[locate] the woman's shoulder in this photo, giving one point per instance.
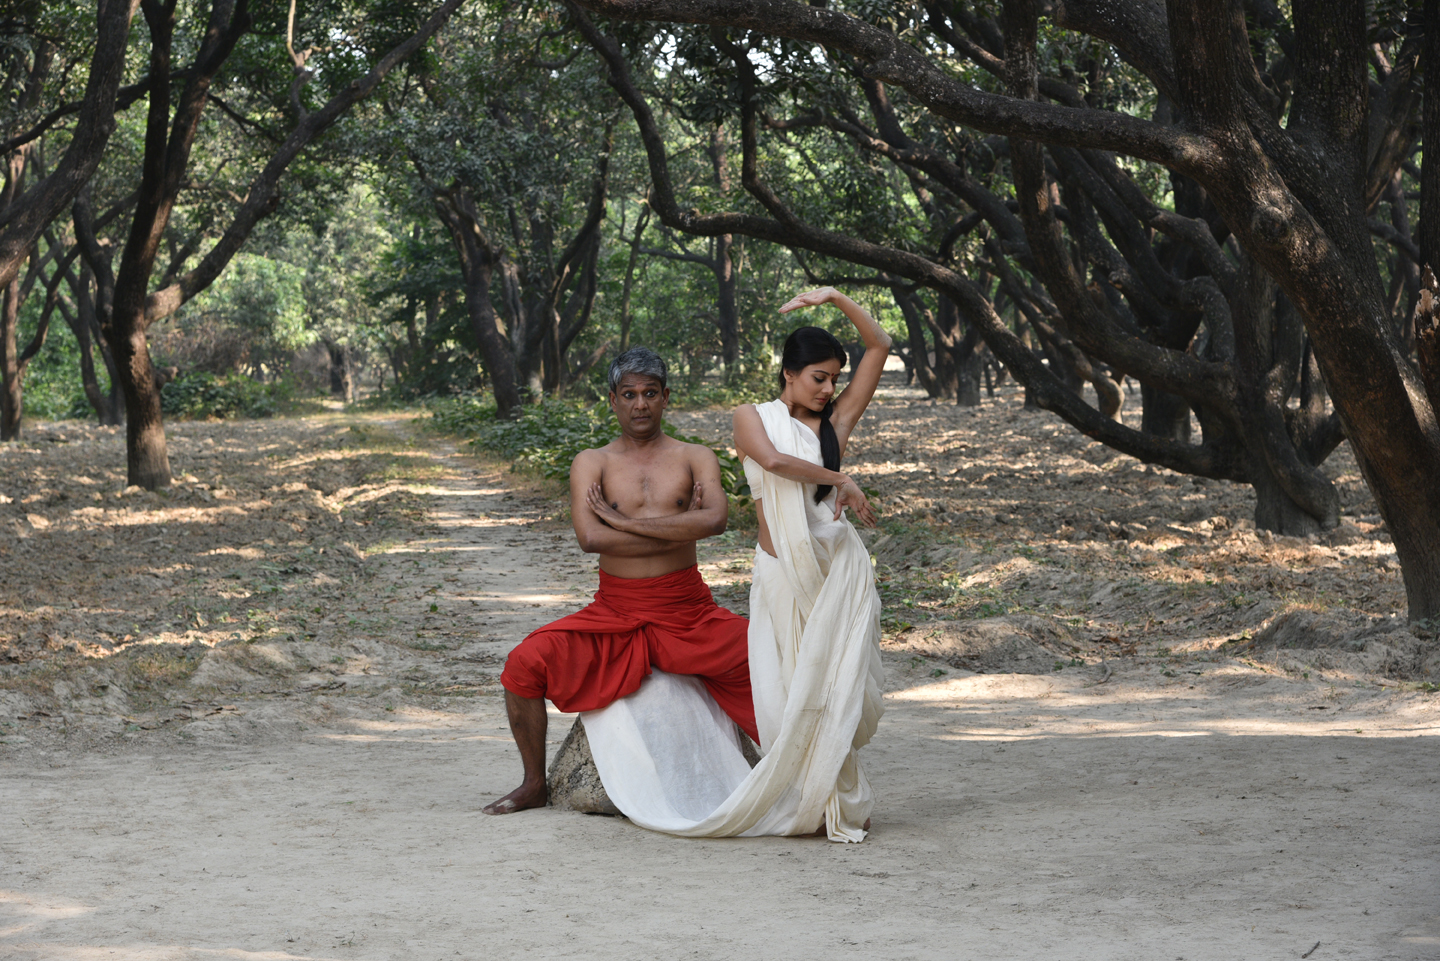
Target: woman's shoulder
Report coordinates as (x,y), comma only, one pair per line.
(760,407)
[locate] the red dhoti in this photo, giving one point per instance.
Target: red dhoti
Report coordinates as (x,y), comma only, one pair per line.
(602,652)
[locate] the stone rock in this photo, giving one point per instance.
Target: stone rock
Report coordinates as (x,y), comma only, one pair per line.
(574,782)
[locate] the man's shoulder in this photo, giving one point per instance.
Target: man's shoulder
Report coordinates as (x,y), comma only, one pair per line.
(592,457)
(698,455)
(701,448)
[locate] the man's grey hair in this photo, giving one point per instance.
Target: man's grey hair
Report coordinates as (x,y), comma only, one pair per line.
(637,360)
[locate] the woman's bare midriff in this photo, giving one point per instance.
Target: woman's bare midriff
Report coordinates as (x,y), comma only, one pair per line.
(765,544)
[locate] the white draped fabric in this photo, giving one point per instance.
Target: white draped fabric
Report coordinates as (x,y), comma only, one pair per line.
(669,757)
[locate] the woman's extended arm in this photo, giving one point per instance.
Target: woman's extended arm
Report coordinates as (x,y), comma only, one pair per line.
(864,376)
(751,441)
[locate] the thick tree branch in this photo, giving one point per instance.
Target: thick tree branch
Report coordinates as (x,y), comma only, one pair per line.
(22,221)
(262,196)
(889,59)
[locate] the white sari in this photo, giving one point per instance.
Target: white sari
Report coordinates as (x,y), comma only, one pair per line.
(669,757)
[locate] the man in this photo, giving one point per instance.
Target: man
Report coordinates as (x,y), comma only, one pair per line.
(640,502)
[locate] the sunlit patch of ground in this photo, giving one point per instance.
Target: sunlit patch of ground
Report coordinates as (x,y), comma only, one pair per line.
(318,729)
(91,566)
(111,598)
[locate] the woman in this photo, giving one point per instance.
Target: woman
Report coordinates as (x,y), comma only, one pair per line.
(813,589)
(667,755)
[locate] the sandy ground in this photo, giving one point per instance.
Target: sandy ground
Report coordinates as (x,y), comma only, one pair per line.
(314,792)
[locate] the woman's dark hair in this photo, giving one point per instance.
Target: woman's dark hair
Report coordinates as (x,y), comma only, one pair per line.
(813,345)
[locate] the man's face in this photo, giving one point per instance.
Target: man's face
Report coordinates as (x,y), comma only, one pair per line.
(638,402)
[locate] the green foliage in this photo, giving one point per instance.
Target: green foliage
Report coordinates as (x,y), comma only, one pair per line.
(549,435)
(52,388)
(201,394)
(254,314)
(419,319)
(754,386)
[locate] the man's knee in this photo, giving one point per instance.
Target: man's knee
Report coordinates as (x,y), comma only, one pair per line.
(525,673)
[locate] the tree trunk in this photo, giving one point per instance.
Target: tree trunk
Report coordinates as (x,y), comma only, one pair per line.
(946,330)
(627,289)
(108,405)
(919,346)
(147,460)
(11,398)
(1164,415)
(1275,510)
(167,152)
(477,265)
(88,380)
(727,313)
(342,381)
(967,369)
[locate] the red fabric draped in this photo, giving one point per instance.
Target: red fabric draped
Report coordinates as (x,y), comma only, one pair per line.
(602,652)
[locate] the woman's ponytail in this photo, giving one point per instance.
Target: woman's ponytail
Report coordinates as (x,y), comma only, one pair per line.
(829,449)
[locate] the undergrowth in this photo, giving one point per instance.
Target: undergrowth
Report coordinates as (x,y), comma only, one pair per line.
(547,436)
(202,395)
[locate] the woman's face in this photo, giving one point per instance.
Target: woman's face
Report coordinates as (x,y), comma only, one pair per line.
(813,386)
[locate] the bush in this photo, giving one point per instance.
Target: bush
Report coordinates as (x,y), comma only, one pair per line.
(200,394)
(548,435)
(48,397)
(755,386)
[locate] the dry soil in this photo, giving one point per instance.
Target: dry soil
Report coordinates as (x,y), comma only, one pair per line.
(256,716)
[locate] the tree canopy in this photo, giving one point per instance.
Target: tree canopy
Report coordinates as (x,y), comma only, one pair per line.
(1225,204)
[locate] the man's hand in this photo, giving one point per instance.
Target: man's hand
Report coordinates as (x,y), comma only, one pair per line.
(595,498)
(611,516)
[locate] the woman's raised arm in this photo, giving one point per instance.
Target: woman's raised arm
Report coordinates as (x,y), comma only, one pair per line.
(864,376)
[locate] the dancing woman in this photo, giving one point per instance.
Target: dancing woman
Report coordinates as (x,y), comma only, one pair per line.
(668,757)
(813,604)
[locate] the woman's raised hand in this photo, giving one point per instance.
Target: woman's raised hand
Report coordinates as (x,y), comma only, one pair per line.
(811,298)
(849,494)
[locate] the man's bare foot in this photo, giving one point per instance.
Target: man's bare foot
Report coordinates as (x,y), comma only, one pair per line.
(523,797)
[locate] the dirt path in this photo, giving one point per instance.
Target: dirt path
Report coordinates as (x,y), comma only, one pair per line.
(320,797)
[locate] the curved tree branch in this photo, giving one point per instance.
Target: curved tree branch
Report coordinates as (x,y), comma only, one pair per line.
(889,59)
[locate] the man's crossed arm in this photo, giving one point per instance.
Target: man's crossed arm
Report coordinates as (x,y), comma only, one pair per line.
(602,529)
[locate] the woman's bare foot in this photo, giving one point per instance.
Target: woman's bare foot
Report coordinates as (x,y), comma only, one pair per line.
(525,796)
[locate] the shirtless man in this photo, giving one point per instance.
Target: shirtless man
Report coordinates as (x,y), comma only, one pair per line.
(640,502)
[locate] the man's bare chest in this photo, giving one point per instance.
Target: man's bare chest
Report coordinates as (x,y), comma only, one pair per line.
(648,489)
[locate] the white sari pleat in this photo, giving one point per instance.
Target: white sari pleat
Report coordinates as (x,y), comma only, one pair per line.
(669,757)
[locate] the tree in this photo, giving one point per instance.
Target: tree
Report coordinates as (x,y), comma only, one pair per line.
(169,138)
(1282,128)
(43,52)
(501,135)
(26,214)
(425,333)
